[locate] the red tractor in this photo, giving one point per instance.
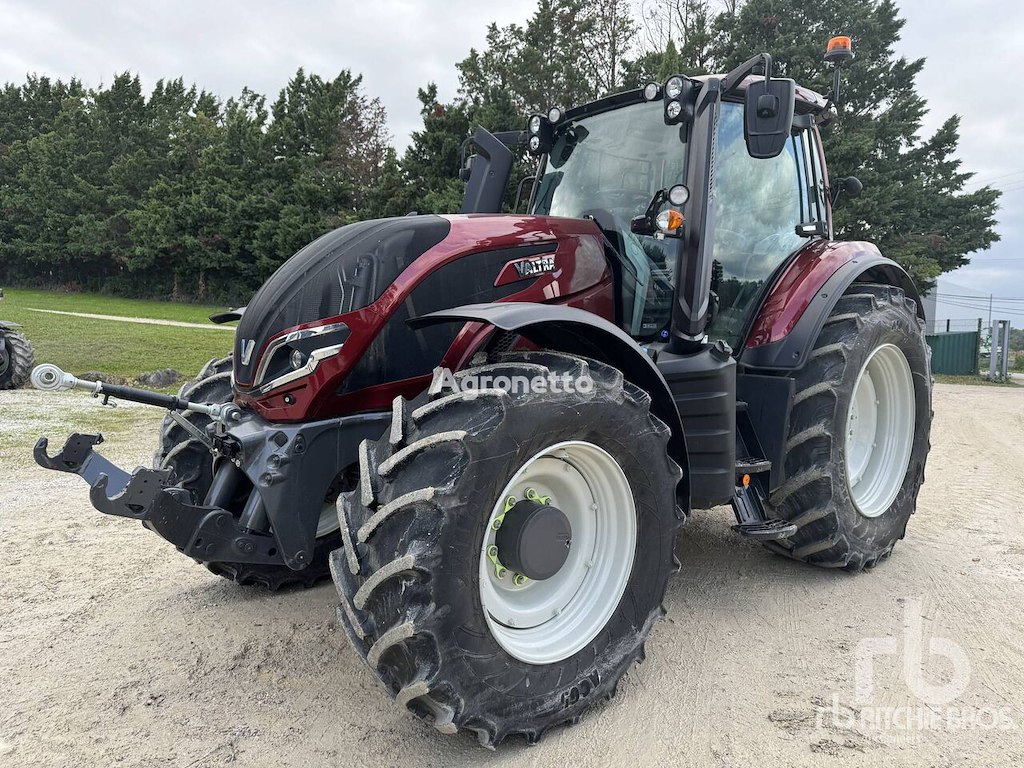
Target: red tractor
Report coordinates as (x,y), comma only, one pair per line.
(489,429)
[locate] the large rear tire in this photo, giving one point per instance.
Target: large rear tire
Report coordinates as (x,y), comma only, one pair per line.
(423,600)
(192,468)
(859,433)
(17,357)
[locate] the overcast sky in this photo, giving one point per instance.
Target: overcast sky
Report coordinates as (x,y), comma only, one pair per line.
(399,46)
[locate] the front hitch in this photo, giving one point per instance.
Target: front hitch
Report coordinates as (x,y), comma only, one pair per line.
(291,468)
(204,533)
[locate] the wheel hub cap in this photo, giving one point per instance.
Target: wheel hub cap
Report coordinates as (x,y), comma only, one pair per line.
(534,539)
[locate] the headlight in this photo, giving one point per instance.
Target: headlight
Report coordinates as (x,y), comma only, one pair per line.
(673,109)
(651,91)
(678,194)
(669,221)
(534,124)
(555,115)
(292,355)
(534,143)
(674,87)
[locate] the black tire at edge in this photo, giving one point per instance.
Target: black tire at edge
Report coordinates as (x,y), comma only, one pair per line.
(22,358)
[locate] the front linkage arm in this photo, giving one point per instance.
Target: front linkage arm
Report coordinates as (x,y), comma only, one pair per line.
(50,378)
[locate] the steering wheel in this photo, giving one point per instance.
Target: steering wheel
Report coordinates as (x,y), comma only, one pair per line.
(626,198)
(737,247)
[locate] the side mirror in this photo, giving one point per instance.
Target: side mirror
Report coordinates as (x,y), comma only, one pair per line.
(847,185)
(851,186)
(768,116)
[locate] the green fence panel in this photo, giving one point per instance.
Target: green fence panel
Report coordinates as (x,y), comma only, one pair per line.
(955,354)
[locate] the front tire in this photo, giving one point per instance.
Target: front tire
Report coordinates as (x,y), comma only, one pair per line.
(859,433)
(415,577)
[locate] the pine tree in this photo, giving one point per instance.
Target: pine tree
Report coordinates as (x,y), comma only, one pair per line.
(913,205)
(431,162)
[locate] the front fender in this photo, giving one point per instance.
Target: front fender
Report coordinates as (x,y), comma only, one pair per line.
(577,332)
(791,317)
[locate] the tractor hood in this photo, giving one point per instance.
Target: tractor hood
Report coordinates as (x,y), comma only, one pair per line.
(329,333)
(343,271)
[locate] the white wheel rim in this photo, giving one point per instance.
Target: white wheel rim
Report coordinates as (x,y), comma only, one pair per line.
(543,622)
(328,522)
(880,430)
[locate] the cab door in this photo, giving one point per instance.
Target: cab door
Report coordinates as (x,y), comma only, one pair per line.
(758,205)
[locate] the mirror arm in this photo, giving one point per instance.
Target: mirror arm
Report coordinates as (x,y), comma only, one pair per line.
(732,80)
(835,96)
(519,191)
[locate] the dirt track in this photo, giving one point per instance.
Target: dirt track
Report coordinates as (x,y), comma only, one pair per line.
(115,650)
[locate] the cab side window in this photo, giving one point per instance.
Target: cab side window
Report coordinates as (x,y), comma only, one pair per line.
(758,204)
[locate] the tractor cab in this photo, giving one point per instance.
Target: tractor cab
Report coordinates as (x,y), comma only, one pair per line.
(608,164)
(615,160)
(741,154)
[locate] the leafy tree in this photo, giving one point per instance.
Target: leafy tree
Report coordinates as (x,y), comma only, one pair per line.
(913,205)
(431,163)
(692,24)
(392,195)
(176,193)
(568,52)
(54,198)
(655,66)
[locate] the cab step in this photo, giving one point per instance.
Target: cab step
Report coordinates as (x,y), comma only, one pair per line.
(752,466)
(767,530)
(751,518)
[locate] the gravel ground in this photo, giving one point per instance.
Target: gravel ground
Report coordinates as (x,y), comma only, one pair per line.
(114,650)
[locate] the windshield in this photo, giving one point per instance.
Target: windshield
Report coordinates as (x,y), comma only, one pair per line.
(609,166)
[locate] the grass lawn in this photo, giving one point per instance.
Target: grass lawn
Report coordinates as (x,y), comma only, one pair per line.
(79,344)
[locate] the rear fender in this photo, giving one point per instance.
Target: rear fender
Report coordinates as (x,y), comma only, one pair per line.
(794,310)
(578,332)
